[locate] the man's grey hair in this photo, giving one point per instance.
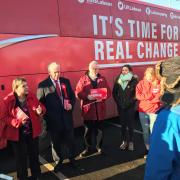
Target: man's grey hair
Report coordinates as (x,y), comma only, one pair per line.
(53,64)
(92,63)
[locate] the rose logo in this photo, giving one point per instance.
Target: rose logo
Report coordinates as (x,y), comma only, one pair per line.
(120,5)
(81,1)
(171,15)
(148,11)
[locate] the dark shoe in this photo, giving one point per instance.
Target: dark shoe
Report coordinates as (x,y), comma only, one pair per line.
(58,167)
(34,178)
(23,178)
(86,153)
(73,163)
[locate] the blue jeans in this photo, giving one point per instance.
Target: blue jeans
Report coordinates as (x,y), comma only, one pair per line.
(147,121)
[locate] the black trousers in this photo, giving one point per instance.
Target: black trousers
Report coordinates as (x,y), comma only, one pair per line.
(127,117)
(27,148)
(93,134)
(58,140)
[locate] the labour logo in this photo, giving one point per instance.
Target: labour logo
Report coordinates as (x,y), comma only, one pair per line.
(148,11)
(120,5)
(81,1)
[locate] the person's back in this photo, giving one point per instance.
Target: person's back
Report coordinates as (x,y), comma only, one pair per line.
(164,156)
(163,161)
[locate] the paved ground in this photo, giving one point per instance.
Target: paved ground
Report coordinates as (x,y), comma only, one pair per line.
(113,165)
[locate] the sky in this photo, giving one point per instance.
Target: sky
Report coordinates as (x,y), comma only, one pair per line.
(175,4)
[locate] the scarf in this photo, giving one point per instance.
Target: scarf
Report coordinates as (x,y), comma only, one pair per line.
(124,79)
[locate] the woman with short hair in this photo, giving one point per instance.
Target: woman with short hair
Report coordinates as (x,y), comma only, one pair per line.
(21,113)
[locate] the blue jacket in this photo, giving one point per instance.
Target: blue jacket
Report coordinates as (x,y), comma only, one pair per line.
(163,162)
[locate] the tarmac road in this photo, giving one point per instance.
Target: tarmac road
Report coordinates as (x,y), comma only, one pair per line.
(115,164)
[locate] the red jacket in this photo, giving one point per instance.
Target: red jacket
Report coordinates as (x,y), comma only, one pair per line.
(148,96)
(9,117)
(94,111)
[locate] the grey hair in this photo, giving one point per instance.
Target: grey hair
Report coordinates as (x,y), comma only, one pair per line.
(53,64)
(92,63)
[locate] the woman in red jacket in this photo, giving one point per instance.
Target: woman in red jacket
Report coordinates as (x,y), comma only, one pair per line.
(93,108)
(21,114)
(148,94)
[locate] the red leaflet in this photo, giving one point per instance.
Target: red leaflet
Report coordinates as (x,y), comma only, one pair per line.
(99,93)
(20,114)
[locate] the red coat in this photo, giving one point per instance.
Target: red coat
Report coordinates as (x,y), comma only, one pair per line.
(9,117)
(148,96)
(94,111)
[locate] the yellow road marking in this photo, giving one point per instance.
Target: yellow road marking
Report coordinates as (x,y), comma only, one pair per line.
(45,167)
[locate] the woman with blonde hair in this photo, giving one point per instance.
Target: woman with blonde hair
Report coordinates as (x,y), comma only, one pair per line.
(163,160)
(21,113)
(148,94)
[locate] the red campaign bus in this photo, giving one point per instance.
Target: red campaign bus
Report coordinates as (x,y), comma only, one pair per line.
(74,32)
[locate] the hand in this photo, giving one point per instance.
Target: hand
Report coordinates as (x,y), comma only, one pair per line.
(38,110)
(23,121)
(21,116)
(15,123)
(91,97)
(99,100)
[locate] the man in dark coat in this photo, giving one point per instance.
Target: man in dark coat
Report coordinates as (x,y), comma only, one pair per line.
(56,94)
